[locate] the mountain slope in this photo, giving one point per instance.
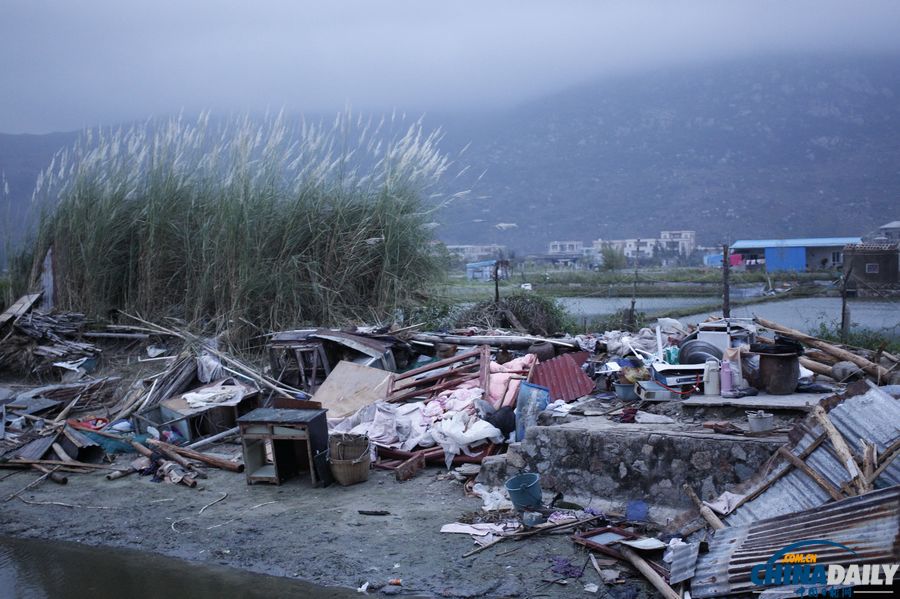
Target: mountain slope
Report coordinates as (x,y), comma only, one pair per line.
(772,148)
(765,148)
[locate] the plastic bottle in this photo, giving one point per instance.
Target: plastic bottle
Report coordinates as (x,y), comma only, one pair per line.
(725,377)
(711,378)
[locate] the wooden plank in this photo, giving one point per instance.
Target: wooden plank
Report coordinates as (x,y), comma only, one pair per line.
(436,365)
(430,391)
(351,387)
(20,307)
(465,368)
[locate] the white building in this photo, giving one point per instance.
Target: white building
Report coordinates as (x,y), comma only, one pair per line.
(889,231)
(477,252)
(684,242)
(566,247)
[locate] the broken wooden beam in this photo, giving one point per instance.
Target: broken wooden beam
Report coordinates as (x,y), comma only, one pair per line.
(815,476)
(705,510)
(840,446)
(200,457)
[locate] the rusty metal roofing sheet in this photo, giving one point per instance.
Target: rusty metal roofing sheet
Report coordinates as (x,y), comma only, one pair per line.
(36,449)
(873,416)
(867,524)
(563,377)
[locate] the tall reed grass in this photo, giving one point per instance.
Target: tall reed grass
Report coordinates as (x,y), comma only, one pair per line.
(272,221)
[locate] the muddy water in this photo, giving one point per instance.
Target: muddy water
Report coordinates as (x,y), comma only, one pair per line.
(32,569)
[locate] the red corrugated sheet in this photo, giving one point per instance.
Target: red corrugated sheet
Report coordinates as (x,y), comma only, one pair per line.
(563,377)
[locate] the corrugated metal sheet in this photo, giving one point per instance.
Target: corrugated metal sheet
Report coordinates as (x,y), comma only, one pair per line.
(563,377)
(873,416)
(684,562)
(805,242)
(867,524)
(36,449)
(785,258)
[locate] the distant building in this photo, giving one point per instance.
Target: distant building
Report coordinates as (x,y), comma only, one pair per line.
(565,247)
(484,270)
(684,242)
(889,232)
(873,264)
(793,254)
(681,243)
(635,248)
(477,252)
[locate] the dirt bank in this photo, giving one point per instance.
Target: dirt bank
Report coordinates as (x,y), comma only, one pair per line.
(297,531)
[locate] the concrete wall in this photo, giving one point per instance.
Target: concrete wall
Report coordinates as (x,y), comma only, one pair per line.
(611,463)
(814,257)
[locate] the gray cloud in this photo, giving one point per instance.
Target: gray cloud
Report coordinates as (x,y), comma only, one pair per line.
(65,64)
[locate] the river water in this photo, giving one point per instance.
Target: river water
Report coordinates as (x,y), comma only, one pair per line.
(36,569)
(800,313)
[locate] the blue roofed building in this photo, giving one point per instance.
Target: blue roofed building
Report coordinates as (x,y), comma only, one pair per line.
(805,254)
(484,270)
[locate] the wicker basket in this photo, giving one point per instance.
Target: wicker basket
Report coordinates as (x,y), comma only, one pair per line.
(349,458)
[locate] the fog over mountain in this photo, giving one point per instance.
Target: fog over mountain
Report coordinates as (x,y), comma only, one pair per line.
(67,65)
(587,119)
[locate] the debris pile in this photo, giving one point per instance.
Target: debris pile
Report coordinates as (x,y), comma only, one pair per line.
(327,405)
(44,345)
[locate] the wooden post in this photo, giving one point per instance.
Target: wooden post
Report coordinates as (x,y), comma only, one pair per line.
(845,309)
(705,511)
(632,318)
(496,281)
(726,283)
(200,457)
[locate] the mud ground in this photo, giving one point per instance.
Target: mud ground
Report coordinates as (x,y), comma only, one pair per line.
(297,531)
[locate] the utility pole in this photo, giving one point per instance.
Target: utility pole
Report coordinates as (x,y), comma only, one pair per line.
(497,281)
(726,289)
(632,319)
(845,309)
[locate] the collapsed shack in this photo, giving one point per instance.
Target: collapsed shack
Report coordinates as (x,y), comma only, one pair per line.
(636,443)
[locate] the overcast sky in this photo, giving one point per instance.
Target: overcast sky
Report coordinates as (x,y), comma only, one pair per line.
(68,64)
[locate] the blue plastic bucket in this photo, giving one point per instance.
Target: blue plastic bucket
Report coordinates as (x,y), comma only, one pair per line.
(525,491)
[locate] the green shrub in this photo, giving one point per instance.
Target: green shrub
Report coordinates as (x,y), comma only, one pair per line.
(860,336)
(537,314)
(277,224)
(619,321)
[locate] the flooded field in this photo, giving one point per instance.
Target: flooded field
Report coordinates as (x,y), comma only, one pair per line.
(37,569)
(800,313)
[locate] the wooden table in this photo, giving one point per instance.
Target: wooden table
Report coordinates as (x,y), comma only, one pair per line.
(291,437)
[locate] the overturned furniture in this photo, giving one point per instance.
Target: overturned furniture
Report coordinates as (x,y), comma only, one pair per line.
(291,439)
(305,358)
